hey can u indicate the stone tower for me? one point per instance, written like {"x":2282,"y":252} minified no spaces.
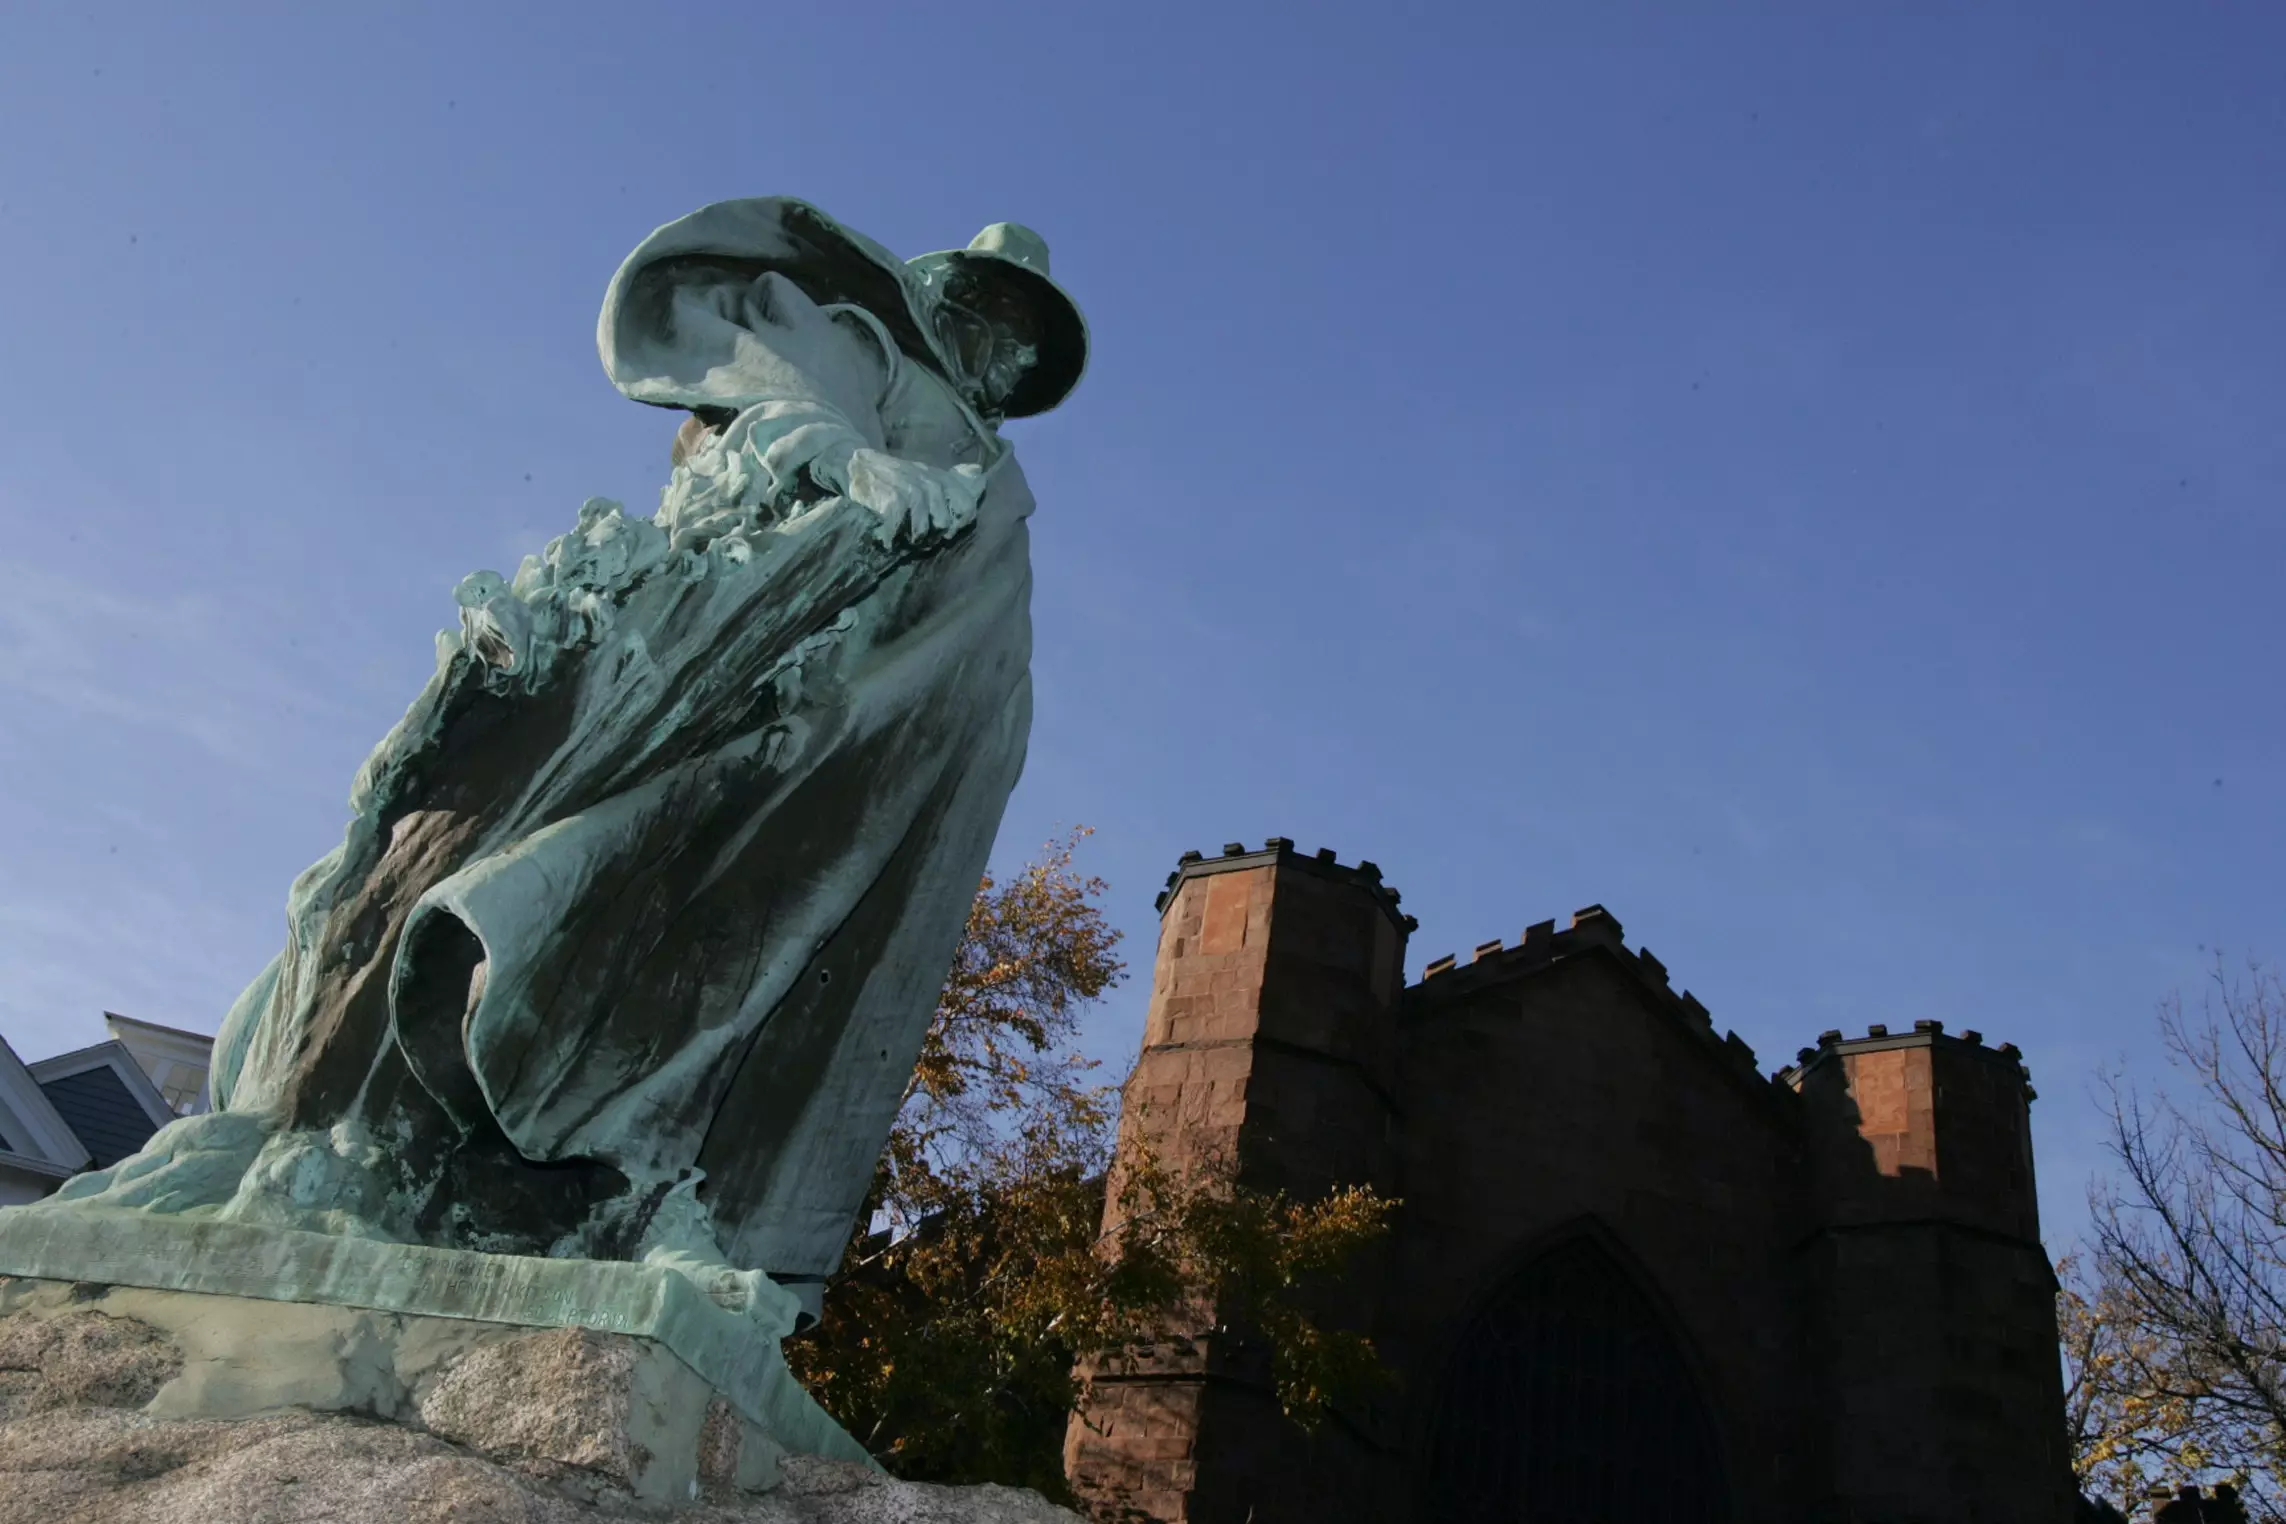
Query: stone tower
{"x":1933,"y":1302}
{"x":1267,"y":1044}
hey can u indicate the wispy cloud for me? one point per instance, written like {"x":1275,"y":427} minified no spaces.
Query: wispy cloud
{"x":180,"y":749}
{"x":184,"y":665}
{"x":158,"y":950}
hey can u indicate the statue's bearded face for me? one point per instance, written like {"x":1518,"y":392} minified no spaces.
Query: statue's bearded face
{"x":989,"y":340}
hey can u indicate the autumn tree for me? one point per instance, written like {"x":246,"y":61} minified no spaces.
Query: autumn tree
{"x":980,"y":1275}
{"x":2176,"y":1334}
{"x":2128,"y":1435}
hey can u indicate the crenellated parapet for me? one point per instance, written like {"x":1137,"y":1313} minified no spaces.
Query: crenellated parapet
{"x":1832,"y":1045}
{"x":1279,"y":852}
{"x":1593,"y":929}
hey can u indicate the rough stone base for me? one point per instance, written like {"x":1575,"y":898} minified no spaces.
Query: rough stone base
{"x":569,"y":1400}
{"x":426,"y":1422}
{"x":287,"y":1317}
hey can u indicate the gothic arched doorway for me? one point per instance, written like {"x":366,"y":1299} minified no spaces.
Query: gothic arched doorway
{"x":1569,"y":1401}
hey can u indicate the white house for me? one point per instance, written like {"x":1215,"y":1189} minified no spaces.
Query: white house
{"x":94,"y":1106}
{"x":175,"y":1060}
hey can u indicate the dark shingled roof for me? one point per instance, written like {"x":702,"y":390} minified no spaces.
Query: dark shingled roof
{"x":100,"y":1110}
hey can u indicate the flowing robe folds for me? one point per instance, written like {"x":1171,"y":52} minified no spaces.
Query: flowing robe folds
{"x":663,"y":870}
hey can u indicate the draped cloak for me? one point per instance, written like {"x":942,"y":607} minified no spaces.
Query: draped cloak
{"x":671,"y":878}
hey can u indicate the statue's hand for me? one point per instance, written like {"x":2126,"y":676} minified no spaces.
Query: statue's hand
{"x":917,"y":503}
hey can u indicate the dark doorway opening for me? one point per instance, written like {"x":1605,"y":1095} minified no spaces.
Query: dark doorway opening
{"x":1569,"y":1401}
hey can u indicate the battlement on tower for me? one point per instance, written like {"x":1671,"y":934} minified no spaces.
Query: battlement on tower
{"x":1834,"y":1048}
{"x":1279,"y":851}
{"x":1919,"y":1126}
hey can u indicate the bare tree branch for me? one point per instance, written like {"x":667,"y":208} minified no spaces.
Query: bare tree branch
{"x":2176,"y":1338}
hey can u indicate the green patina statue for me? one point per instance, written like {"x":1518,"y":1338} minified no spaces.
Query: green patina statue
{"x":644,"y":905}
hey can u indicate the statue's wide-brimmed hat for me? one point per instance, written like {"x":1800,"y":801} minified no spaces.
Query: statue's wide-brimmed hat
{"x":746,"y":238}
{"x":1007,"y":263}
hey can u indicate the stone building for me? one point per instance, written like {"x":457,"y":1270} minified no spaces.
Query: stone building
{"x":1633,"y":1277}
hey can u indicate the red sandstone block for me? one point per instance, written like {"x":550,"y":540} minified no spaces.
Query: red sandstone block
{"x":1227,"y":907}
{"x":1171,"y":1425}
{"x":1165,"y":1447}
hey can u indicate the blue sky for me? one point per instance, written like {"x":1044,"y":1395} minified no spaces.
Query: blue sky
{"x":1803,"y":476}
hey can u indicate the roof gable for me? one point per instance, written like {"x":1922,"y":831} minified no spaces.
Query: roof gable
{"x":105,"y":1098}
{"x":1594,"y":933}
{"x":28,"y":1119}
